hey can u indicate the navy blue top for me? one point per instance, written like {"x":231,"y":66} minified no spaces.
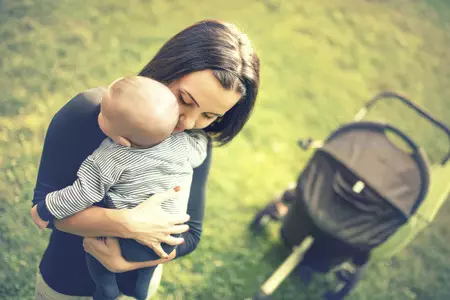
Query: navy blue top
{"x":73,"y":134}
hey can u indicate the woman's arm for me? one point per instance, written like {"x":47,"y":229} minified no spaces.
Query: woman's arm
{"x":146,"y":223}
{"x":109,"y":254}
{"x":95,"y":221}
{"x":196,"y":206}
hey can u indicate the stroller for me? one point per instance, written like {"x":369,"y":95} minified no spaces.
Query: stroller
{"x":362,"y":195}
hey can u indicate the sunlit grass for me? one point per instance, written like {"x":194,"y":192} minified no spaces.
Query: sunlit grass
{"x":320,"y":61}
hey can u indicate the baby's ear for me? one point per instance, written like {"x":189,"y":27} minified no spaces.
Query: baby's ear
{"x":123,"y":141}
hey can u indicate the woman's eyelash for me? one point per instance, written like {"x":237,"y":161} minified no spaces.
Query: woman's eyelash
{"x":206,"y":116}
{"x":180,"y":99}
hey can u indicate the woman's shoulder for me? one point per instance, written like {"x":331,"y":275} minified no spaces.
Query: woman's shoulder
{"x":88,"y":98}
{"x":78,"y":117}
{"x":85,"y":103}
{"x":94,"y":94}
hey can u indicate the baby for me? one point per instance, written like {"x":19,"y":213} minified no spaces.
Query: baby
{"x":140,"y":156}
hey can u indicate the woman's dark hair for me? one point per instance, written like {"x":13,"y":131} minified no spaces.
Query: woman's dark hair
{"x":222,"y":48}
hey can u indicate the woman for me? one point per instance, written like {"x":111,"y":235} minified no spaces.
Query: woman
{"x":214,"y":72}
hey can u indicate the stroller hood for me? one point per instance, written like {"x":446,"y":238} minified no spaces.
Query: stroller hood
{"x":360,"y":187}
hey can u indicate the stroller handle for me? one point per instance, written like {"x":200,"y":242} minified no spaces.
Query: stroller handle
{"x":413,"y":106}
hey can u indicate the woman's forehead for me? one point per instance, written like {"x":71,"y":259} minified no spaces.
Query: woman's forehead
{"x":207,"y":91}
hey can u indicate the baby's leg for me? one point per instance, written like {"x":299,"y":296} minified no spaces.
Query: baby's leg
{"x":144,"y":276}
{"x":140,"y":279}
{"x":135,"y":251}
{"x":105,"y":281}
{"x":127,"y":283}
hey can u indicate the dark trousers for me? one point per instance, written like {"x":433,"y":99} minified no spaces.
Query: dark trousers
{"x":108,"y":285}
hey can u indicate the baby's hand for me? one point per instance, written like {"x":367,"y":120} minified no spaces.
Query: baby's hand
{"x":37,"y":220}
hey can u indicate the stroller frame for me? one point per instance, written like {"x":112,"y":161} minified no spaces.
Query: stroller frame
{"x":351,"y":272}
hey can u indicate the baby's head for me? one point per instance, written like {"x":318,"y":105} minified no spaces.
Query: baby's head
{"x":138,"y":111}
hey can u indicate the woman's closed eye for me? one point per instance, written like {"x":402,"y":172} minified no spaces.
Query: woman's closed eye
{"x":209,"y":116}
{"x":181,"y":100}
{"x":206,"y":115}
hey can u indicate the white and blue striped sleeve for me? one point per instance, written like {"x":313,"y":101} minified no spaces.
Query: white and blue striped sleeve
{"x":95,"y":176}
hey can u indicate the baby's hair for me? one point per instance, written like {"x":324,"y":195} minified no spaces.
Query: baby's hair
{"x":122,"y":84}
{"x":146,"y":109}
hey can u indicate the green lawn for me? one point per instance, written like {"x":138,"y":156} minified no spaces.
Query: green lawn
{"x":321,"y":60}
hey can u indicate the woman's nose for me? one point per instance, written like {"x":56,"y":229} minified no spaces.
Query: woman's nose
{"x":187,"y":121}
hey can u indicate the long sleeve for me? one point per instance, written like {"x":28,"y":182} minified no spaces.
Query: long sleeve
{"x":196,"y":205}
{"x":73,"y":134}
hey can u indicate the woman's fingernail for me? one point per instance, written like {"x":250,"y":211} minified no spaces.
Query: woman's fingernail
{"x":176,"y":189}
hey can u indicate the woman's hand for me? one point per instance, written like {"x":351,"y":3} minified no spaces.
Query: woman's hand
{"x":36,"y":219}
{"x":107,"y":252}
{"x":151,"y":226}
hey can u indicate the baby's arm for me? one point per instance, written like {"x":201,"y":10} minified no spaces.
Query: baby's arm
{"x":198,"y":143}
{"x":94,"y":180}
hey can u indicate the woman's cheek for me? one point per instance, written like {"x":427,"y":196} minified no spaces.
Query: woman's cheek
{"x":203,"y":124}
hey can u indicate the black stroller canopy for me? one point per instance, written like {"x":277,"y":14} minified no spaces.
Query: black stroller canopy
{"x":360,"y":187}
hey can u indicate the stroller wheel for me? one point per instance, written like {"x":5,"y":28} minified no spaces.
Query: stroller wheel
{"x":348,"y":281}
{"x":270,"y":212}
{"x":259,"y":221}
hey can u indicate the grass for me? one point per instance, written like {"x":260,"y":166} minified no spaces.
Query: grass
{"x":320,"y":61}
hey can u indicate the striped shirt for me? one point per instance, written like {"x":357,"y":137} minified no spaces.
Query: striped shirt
{"x":125,"y":177}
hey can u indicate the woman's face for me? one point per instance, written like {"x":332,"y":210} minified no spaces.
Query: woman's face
{"x":202,"y":99}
